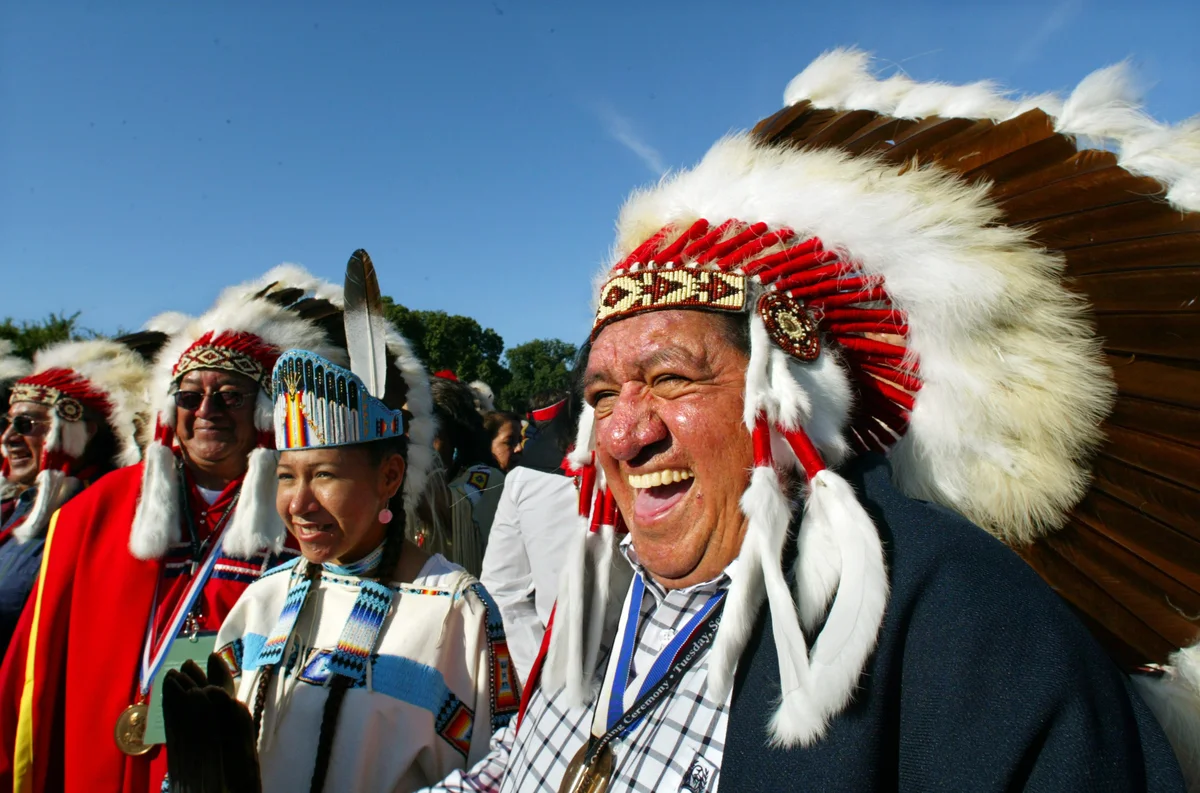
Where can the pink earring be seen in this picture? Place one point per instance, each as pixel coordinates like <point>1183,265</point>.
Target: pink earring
<point>385,515</point>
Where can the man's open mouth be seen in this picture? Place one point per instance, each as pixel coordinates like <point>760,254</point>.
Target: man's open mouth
<point>655,493</point>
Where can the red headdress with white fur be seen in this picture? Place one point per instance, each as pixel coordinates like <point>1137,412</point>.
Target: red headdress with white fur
<point>99,380</point>
<point>244,332</point>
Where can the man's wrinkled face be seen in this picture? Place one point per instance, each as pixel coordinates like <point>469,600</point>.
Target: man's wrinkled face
<point>667,388</point>
<point>24,449</point>
<point>215,435</point>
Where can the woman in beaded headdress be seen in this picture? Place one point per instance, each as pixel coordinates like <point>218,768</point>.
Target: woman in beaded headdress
<point>366,665</point>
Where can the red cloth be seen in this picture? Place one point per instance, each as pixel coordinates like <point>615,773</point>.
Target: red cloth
<point>95,602</point>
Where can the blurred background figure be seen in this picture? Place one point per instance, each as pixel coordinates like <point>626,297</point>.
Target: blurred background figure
<point>537,516</point>
<point>69,422</point>
<point>473,476</point>
<point>504,429</point>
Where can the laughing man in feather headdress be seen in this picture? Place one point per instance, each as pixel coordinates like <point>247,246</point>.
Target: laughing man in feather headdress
<point>742,617</point>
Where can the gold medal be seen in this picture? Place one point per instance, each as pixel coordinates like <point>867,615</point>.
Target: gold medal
<point>589,774</point>
<point>131,728</point>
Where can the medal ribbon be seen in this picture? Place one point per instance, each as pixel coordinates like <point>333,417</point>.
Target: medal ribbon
<point>688,646</point>
<point>151,664</point>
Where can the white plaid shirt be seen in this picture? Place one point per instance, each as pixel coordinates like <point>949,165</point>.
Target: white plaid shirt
<point>681,740</point>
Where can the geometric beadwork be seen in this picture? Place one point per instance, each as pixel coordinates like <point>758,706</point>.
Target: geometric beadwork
<point>272,652</point>
<point>506,690</point>
<point>455,722</point>
<point>654,290</point>
<point>357,642</point>
<point>231,654</point>
<point>320,404</point>
<point>208,356</point>
<point>68,409</point>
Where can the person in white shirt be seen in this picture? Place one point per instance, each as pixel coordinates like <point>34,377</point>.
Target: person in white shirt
<point>537,517</point>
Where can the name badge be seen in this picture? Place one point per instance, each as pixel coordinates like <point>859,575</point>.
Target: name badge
<point>185,648</point>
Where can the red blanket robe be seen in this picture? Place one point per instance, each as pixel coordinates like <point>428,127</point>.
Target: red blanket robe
<point>72,667</point>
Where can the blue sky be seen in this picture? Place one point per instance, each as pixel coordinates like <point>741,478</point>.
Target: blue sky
<point>152,153</point>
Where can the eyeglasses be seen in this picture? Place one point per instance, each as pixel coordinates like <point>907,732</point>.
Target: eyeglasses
<point>192,400</point>
<point>21,425</point>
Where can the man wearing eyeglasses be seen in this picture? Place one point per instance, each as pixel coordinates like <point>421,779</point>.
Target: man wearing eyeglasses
<point>22,436</point>
<point>141,569</point>
<point>69,422</point>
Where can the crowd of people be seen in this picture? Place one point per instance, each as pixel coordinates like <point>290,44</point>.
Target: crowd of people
<point>754,546</point>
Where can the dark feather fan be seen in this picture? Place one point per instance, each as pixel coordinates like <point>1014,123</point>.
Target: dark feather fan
<point>1128,557</point>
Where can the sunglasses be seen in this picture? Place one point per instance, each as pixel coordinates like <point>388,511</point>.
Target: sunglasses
<point>21,425</point>
<point>192,400</point>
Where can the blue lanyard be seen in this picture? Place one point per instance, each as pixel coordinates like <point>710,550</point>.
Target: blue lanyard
<point>665,661</point>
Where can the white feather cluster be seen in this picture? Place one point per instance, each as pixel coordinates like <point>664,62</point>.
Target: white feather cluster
<point>12,366</point>
<point>1105,107</point>
<point>1014,387</point>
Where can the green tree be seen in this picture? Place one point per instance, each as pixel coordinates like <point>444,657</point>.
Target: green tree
<point>538,365</point>
<point>28,337</point>
<point>452,341</point>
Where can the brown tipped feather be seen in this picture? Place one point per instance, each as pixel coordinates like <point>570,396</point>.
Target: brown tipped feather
<point>1105,187</point>
<point>932,135</point>
<point>1164,289</point>
<point>1031,160</point>
<point>1158,334</point>
<point>1156,418</point>
<point>1113,224</point>
<point>1169,503</point>
<point>1079,163</point>
<point>1123,255</point>
<point>875,135</point>
<point>770,129</point>
<point>1157,380</point>
<point>1176,554</point>
<point>285,297</point>
<point>841,128</point>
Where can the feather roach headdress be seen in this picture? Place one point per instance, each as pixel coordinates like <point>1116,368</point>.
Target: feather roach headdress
<point>100,380</point>
<point>910,259</point>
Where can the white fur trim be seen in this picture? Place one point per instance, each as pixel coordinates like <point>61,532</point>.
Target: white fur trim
<point>1014,385</point>
<point>71,437</point>
<point>264,412</point>
<point>581,454</point>
<point>841,651</point>
<point>255,525</point>
<point>1175,700</point>
<point>53,490</point>
<point>1105,107</point>
<point>156,521</point>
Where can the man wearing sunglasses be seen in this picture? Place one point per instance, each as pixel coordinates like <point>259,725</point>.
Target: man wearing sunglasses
<point>148,562</point>
<point>69,422</point>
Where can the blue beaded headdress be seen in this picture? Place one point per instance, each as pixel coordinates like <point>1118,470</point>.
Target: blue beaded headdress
<point>320,404</point>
